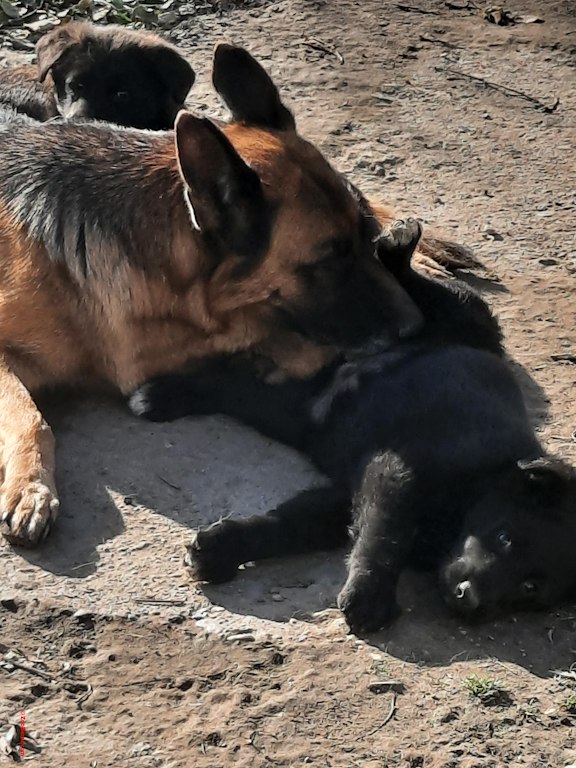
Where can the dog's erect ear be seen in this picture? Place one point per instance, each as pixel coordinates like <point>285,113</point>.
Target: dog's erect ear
<point>177,75</point>
<point>225,196</point>
<point>51,47</point>
<point>248,91</point>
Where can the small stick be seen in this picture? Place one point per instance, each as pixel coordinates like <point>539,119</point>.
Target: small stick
<point>172,485</point>
<point>413,9</point>
<point>68,685</point>
<point>320,45</point>
<point>159,601</point>
<point>386,720</point>
<point>564,358</point>
<point>445,43</point>
<point>504,88</point>
<point>28,668</point>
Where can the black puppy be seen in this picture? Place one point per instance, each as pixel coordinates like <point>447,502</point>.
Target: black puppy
<point>101,73</point>
<point>432,460</point>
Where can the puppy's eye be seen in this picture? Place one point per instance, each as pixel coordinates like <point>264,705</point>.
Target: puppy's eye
<point>530,587</point>
<point>504,540</point>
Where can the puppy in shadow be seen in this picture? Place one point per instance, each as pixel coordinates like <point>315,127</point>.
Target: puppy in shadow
<point>108,73</point>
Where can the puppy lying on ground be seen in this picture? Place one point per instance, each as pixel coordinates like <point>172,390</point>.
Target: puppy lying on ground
<point>431,457</point>
<point>125,253</point>
<point>101,73</point>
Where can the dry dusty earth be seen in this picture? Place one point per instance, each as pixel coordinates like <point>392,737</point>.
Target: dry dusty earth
<point>157,672</point>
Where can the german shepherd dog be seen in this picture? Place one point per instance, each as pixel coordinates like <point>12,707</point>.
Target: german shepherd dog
<point>125,253</point>
<point>101,73</point>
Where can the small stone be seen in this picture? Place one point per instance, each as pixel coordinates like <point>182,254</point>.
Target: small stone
<point>383,686</point>
<point>9,603</point>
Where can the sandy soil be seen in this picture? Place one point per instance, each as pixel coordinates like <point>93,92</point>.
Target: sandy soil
<point>262,672</point>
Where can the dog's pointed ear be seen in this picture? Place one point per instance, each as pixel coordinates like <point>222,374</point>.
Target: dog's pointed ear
<point>223,193</point>
<point>177,75</point>
<point>51,47</point>
<point>248,91</point>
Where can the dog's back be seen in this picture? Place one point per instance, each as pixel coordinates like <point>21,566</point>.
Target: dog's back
<point>21,90</point>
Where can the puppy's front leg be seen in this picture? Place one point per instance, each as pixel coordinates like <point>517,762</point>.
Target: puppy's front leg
<point>385,513</point>
<point>315,519</point>
<point>28,500</point>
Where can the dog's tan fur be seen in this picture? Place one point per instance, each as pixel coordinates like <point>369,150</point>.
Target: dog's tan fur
<point>123,316</point>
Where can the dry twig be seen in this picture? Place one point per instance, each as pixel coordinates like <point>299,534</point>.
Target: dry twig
<point>503,88</point>
<point>415,9</point>
<point>320,45</point>
<point>386,720</point>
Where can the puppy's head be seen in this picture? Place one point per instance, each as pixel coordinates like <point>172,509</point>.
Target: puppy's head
<point>113,74</point>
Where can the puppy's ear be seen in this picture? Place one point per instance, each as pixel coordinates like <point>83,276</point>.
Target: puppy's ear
<point>177,75</point>
<point>224,194</point>
<point>546,472</point>
<point>248,91</point>
<point>51,47</point>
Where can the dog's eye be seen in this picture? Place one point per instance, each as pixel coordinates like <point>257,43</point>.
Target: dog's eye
<point>504,540</point>
<point>336,251</point>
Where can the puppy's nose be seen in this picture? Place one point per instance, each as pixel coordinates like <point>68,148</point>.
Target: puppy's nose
<point>462,588</point>
<point>466,596</point>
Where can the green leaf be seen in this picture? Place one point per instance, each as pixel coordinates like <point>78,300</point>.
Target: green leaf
<point>10,10</point>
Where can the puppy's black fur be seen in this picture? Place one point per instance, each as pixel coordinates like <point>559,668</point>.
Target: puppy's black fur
<point>101,73</point>
<point>432,461</point>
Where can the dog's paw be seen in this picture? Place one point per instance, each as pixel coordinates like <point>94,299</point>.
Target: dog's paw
<point>27,513</point>
<point>151,401</point>
<point>209,558</point>
<point>431,268</point>
<point>401,239</point>
<point>367,605</point>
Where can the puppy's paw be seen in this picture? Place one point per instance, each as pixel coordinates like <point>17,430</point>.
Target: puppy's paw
<point>27,512</point>
<point>401,239</point>
<point>209,557</point>
<point>367,605</point>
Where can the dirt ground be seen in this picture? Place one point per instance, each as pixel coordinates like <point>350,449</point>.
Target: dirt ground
<point>136,666</point>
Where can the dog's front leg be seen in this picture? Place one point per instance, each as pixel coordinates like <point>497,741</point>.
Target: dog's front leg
<point>315,519</point>
<point>28,500</point>
<point>386,510</point>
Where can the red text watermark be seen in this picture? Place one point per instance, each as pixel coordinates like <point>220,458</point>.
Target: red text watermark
<point>22,731</point>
